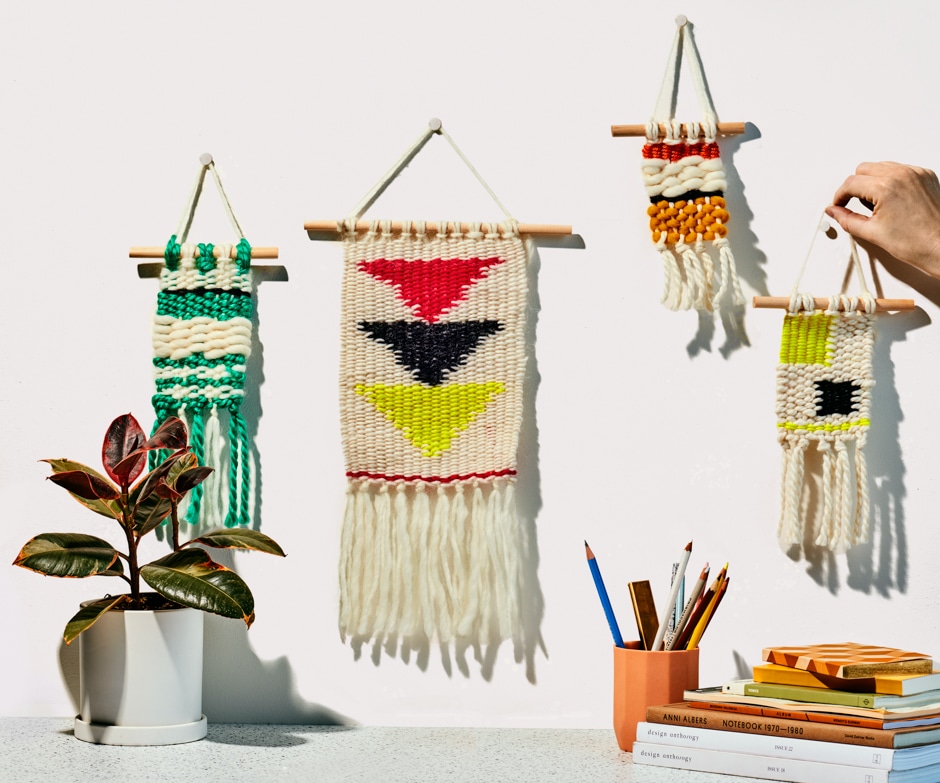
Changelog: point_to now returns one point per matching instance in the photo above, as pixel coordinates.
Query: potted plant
(140, 654)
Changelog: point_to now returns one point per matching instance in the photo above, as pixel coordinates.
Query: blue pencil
(602, 592)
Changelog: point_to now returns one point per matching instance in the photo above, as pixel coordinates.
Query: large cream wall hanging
(433, 358)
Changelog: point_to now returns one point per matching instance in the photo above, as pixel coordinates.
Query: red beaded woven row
(672, 152)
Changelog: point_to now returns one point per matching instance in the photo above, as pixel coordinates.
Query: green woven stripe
(201, 303)
(234, 379)
(199, 360)
(165, 406)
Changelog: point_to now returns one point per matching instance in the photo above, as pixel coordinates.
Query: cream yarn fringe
(442, 560)
(689, 276)
(844, 516)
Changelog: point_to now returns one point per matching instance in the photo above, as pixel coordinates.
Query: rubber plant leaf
(150, 512)
(107, 508)
(120, 453)
(239, 538)
(89, 614)
(85, 485)
(191, 578)
(148, 484)
(169, 435)
(75, 555)
(191, 477)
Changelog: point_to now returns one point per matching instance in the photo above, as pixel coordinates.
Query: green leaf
(148, 484)
(150, 512)
(191, 578)
(239, 538)
(88, 615)
(69, 555)
(107, 508)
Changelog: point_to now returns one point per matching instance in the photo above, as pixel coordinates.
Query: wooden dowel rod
(724, 129)
(532, 229)
(157, 252)
(821, 303)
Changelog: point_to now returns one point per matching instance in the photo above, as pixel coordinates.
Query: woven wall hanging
(824, 388)
(202, 335)
(433, 357)
(685, 181)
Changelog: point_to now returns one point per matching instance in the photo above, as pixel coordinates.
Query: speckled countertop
(44, 749)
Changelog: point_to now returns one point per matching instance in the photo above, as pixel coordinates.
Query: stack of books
(827, 713)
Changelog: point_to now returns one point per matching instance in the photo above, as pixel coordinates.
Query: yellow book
(901, 684)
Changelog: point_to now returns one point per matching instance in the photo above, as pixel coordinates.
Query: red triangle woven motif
(430, 287)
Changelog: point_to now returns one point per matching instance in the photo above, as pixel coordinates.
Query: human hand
(905, 204)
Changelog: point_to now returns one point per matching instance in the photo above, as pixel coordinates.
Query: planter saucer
(103, 734)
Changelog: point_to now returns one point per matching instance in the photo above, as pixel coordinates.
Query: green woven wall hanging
(202, 335)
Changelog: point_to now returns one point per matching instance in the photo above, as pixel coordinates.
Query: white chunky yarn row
(671, 179)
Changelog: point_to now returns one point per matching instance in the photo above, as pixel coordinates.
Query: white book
(769, 768)
(787, 748)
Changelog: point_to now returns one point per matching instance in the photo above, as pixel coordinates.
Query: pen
(683, 562)
(602, 593)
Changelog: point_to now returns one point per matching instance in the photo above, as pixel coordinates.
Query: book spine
(775, 712)
(768, 690)
(749, 765)
(761, 744)
(779, 728)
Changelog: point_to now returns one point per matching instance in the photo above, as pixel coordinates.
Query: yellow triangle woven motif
(431, 417)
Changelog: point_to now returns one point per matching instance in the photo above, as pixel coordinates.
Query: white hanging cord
(186, 221)
(387, 178)
(434, 127)
(804, 301)
(476, 174)
(668, 93)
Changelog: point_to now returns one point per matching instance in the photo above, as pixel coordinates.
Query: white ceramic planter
(141, 678)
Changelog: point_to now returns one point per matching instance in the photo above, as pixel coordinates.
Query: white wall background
(651, 428)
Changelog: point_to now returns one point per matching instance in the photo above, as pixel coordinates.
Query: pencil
(721, 594)
(671, 601)
(602, 593)
(714, 591)
(689, 606)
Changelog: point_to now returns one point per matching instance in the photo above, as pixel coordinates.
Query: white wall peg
(435, 124)
(206, 158)
(682, 20)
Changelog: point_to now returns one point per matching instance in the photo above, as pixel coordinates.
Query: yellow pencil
(714, 591)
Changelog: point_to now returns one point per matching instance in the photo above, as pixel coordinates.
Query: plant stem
(127, 523)
(176, 525)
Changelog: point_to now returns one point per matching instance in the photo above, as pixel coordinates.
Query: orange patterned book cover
(849, 659)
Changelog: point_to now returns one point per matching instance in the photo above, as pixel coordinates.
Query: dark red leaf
(123, 438)
(169, 435)
(166, 492)
(85, 485)
(191, 478)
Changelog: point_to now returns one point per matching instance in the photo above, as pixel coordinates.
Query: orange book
(849, 659)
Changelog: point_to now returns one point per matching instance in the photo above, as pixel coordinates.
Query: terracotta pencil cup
(643, 679)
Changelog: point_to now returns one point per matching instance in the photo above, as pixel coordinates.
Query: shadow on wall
(528, 504)
(749, 259)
